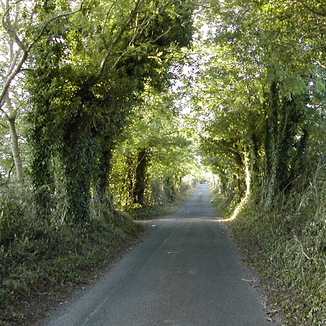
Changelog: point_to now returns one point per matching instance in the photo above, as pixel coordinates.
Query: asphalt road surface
(185, 272)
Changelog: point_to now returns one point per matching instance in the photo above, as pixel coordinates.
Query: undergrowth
(148, 212)
(287, 244)
(37, 255)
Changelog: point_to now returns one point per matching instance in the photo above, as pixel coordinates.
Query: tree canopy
(119, 105)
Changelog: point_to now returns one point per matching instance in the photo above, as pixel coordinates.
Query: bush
(37, 255)
(287, 243)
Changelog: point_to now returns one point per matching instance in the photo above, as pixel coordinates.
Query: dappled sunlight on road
(224, 220)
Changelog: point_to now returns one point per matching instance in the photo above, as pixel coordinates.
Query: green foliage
(37, 256)
(80, 102)
(102, 129)
(153, 156)
(259, 91)
(85, 65)
(287, 244)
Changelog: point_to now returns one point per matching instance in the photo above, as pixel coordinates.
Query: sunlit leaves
(154, 129)
(256, 86)
(93, 68)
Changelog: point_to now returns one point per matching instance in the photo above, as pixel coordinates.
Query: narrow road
(185, 272)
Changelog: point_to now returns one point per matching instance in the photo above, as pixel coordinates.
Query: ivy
(87, 98)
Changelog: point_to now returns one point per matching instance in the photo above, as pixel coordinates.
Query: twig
(301, 245)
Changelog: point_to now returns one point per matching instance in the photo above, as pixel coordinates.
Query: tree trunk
(256, 162)
(271, 142)
(15, 149)
(41, 140)
(11, 116)
(78, 161)
(169, 188)
(140, 184)
(282, 126)
(102, 169)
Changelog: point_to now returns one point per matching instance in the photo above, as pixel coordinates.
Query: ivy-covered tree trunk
(300, 165)
(271, 139)
(42, 142)
(140, 177)
(169, 188)
(255, 161)
(102, 168)
(282, 145)
(288, 127)
(128, 180)
(41, 171)
(77, 160)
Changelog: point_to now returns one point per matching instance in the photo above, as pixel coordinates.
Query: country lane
(185, 272)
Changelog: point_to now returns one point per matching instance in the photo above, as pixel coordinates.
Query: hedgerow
(287, 244)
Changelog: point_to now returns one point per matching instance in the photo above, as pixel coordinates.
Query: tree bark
(14, 140)
(78, 161)
(140, 184)
(102, 168)
(15, 149)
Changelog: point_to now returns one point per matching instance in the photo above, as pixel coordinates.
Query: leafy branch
(138, 28)
(22, 54)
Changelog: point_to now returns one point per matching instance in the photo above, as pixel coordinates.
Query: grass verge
(41, 262)
(145, 213)
(286, 244)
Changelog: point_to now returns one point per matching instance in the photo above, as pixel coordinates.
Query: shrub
(39, 254)
(287, 243)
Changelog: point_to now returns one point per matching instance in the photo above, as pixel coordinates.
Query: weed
(287, 244)
(39, 255)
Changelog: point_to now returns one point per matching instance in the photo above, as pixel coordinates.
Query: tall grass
(287, 243)
(36, 255)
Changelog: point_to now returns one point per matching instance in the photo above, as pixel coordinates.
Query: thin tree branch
(314, 11)
(320, 64)
(117, 38)
(41, 33)
(4, 112)
(6, 23)
(13, 71)
(137, 30)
